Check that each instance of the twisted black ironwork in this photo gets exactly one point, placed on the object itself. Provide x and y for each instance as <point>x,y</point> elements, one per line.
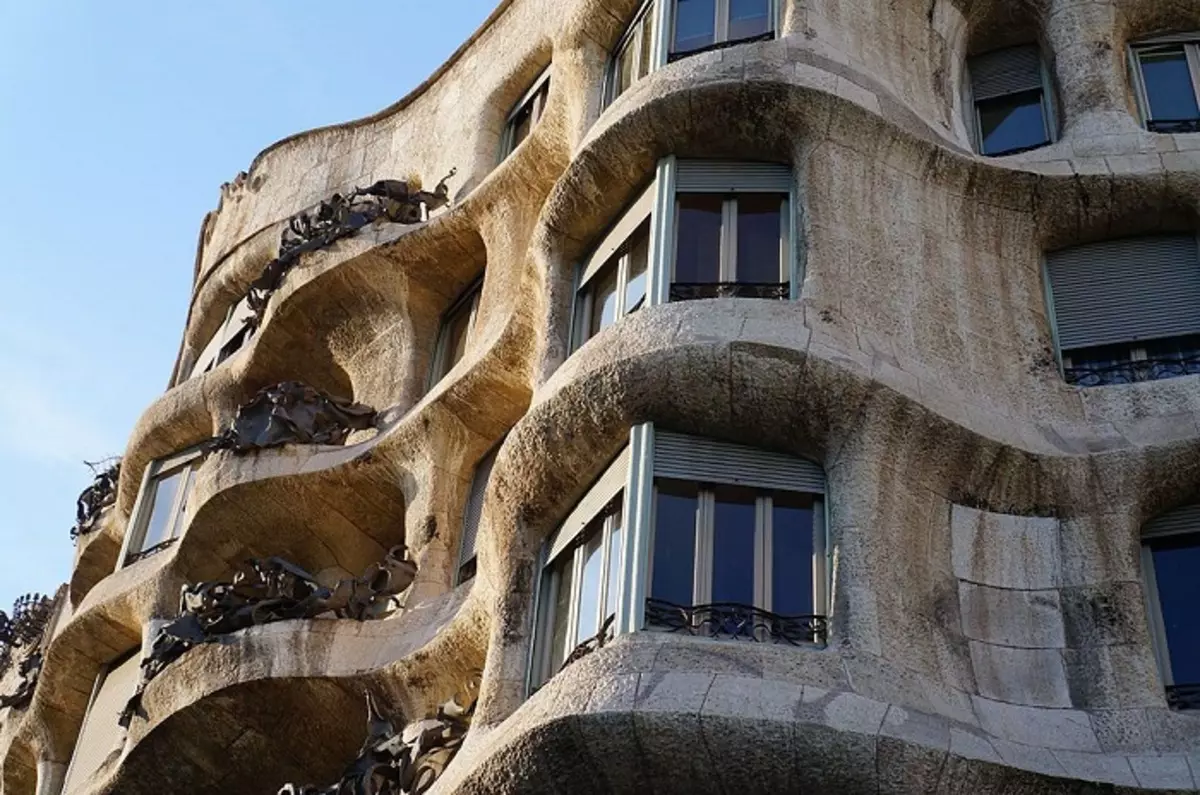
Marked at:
<point>1173,126</point>
<point>134,557</point>
<point>94,499</point>
<point>691,291</point>
<point>736,622</point>
<point>292,412</point>
<point>1153,369</point>
<point>1183,696</point>
<point>25,627</point>
<point>720,45</point>
<point>594,643</point>
<point>30,670</point>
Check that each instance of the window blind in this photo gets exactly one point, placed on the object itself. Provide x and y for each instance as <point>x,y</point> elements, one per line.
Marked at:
<point>678,455</point>
<point>731,176</point>
<point>1007,71</point>
<point>1185,519</point>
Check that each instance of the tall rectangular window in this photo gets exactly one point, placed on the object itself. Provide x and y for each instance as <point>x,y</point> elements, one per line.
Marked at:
<point>233,334</point>
<point>473,515</point>
<point>702,24</point>
<point>1168,78</point>
<point>730,245</point>
<point>455,332</point>
<point>1170,560</point>
<point>631,60</point>
<point>163,505</point>
<point>1011,101</point>
<point>525,115</point>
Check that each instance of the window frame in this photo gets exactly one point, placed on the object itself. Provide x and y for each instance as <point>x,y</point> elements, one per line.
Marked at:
<point>1048,105</point>
<point>721,11</point>
<point>215,353</point>
<point>641,24</point>
<point>1190,42</point>
<point>469,299</point>
<point>534,98</point>
<point>185,462</point>
<point>1158,631</point>
<point>727,268</point>
<point>488,459</point>
<point>97,686</point>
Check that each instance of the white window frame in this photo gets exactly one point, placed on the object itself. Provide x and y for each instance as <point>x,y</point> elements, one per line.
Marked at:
<point>1190,42</point>
<point>634,35</point>
<point>97,686</point>
<point>729,231</point>
<point>1183,522</point>
<point>1049,108</point>
<point>236,318</point>
<point>185,462</point>
<point>468,301</point>
<point>535,100</point>
<point>720,27</point>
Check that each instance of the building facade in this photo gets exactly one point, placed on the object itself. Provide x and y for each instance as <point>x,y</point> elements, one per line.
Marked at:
<point>776,396</point>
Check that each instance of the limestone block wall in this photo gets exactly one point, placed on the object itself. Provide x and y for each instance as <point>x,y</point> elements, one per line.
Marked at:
<point>987,629</point>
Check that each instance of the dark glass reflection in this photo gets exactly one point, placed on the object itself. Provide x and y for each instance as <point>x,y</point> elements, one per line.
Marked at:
<point>1169,85</point>
<point>158,526</point>
<point>1176,562</point>
<point>454,346</point>
<point>695,24</point>
<point>639,258</point>
<point>564,573</point>
<point>674,542</point>
<point>1012,123</point>
<point>733,546</point>
<point>604,299</point>
<point>792,554</point>
<point>698,239</point>
<point>614,567</point>
<point>749,18</point>
<point>589,586</point>
<point>759,224</point>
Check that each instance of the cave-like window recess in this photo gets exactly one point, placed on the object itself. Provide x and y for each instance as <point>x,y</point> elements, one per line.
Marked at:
<point>698,25</point>
<point>472,516</point>
<point>455,333</point>
<point>525,115</point>
<point>633,57</point>
<point>100,736</point>
<point>1126,310</point>
<point>1166,73</point>
<point>233,334</point>
<point>731,231</point>
<point>162,506</point>
<point>614,278</point>
<point>1011,100</point>
<point>1170,560</point>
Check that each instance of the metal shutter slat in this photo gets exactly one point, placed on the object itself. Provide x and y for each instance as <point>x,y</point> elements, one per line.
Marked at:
<point>638,212</point>
<point>1180,520</point>
<point>1007,71</point>
<point>1125,290</point>
<point>731,176</point>
<point>678,455</point>
<point>599,495</point>
<point>100,735</point>
<point>474,511</point>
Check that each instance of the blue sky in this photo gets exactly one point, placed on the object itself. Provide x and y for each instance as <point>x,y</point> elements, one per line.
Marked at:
<point>118,123</point>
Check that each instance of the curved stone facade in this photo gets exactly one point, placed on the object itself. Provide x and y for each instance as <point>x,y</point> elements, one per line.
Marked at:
<point>986,597</point>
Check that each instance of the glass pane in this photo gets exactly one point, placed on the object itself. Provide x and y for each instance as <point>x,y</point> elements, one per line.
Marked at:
<point>1169,85</point>
<point>698,239</point>
<point>623,74</point>
<point>589,586</point>
<point>647,41</point>
<point>792,554</point>
<point>733,546</point>
<point>759,223</point>
<point>604,299</point>
<point>521,124</point>
<point>1011,123</point>
<point>455,340</point>
<point>674,542</point>
<point>614,565</point>
<point>158,527</point>
<point>695,22</point>
<point>749,18</point>
<point>189,480</point>
<point>639,256</point>
<point>1176,562</point>
<point>562,611</point>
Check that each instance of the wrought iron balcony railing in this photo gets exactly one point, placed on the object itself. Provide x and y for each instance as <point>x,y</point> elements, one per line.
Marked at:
<point>735,622</point>
<point>1173,126</point>
<point>691,291</point>
<point>1111,373</point>
<point>1183,696</point>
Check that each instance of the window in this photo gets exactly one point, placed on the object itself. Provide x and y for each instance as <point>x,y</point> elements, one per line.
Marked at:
<point>455,332</point>
<point>1010,96</point>
<point>1126,310</point>
<point>731,231</point>
<point>632,59</point>
<point>473,515</point>
<point>1167,76</point>
<point>525,116</point>
<point>616,288</point>
<point>99,736</point>
<point>703,24</point>
<point>235,330</point>
<point>162,505</point>
<point>738,544</point>
<point>1170,560</point>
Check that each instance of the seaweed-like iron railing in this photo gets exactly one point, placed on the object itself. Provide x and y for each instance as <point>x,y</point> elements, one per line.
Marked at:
<point>1183,696</point>
<point>1172,126</point>
<point>1132,372</point>
<point>401,761</point>
<point>720,45</point>
<point>341,216</point>
<point>95,498</point>
<point>735,621</point>
<point>691,291</point>
<point>22,637</point>
<point>594,643</point>
<point>30,670</point>
<point>263,592</point>
<point>292,412</point>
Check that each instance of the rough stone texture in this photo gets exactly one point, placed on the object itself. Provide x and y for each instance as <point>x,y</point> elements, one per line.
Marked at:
<point>988,632</point>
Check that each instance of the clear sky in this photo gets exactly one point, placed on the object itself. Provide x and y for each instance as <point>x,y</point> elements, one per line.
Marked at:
<point>118,123</point>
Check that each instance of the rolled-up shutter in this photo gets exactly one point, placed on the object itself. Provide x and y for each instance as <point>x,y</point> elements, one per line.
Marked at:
<point>732,176</point>
<point>1181,520</point>
<point>602,492</point>
<point>1007,71</point>
<point>684,457</point>
<point>1125,290</point>
<point>474,511</point>
<point>100,735</point>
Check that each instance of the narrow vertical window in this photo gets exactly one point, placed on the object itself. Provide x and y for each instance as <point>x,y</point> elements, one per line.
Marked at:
<point>525,115</point>
<point>162,508</point>
<point>615,285</point>
<point>674,555</point>
<point>1170,85</point>
<point>631,60</point>
<point>792,548</point>
<point>698,240</point>
<point>1170,560</point>
<point>455,332</point>
<point>1011,101</point>
<point>695,25</point>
